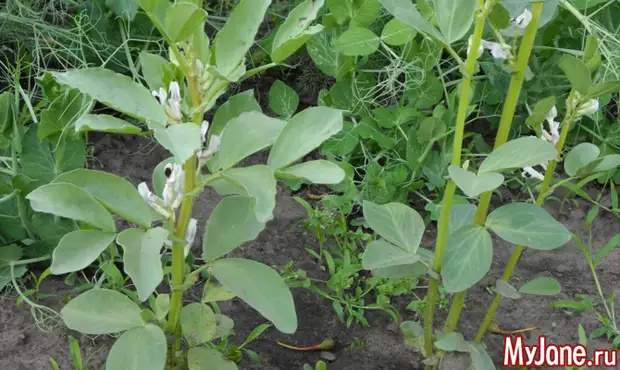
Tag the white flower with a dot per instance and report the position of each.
(589, 107)
(204, 128)
(214, 147)
(190, 235)
(524, 19)
(152, 199)
(172, 105)
(529, 172)
(173, 190)
(553, 113)
(498, 51)
(480, 47)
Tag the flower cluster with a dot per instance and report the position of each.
(172, 105)
(500, 50)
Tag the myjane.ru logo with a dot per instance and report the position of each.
(517, 353)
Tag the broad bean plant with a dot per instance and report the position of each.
(165, 333)
(464, 247)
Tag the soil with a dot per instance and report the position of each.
(24, 346)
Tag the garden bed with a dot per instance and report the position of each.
(381, 346)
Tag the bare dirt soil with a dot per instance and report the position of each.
(23, 346)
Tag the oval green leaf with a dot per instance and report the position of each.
(305, 132)
(317, 172)
(406, 12)
(182, 20)
(207, 358)
(232, 108)
(283, 100)
(257, 182)
(114, 90)
(454, 17)
(235, 39)
(541, 286)
(397, 33)
(261, 287)
(141, 258)
(105, 123)
(115, 193)
(78, 249)
(473, 185)
(198, 323)
(295, 30)
(101, 311)
(70, 201)
(468, 257)
(139, 348)
(577, 73)
(580, 156)
(232, 223)
(528, 225)
(357, 41)
(182, 140)
(244, 135)
(397, 223)
(381, 254)
(522, 152)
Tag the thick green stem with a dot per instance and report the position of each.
(470, 66)
(512, 99)
(516, 254)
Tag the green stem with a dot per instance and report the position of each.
(178, 255)
(512, 99)
(516, 254)
(433, 286)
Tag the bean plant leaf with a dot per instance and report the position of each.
(604, 88)
(139, 348)
(244, 135)
(343, 142)
(577, 73)
(114, 90)
(366, 12)
(101, 311)
(235, 39)
(473, 185)
(528, 225)
(522, 152)
(125, 9)
(499, 16)
(602, 164)
(63, 112)
(454, 17)
(541, 286)
(182, 20)
(397, 223)
(381, 254)
(327, 59)
(461, 215)
(452, 342)
(142, 259)
(153, 67)
(341, 10)
(397, 33)
(70, 201)
(261, 287)
(468, 257)
(317, 172)
(406, 12)
(207, 358)
(283, 100)
(480, 359)
(78, 249)
(506, 290)
(305, 132)
(541, 110)
(105, 123)
(232, 223)
(296, 30)
(357, 41)
(117, 194)
(233, 108)
(198, 323)
(257, 182)
(182, 140)
(580, 156)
